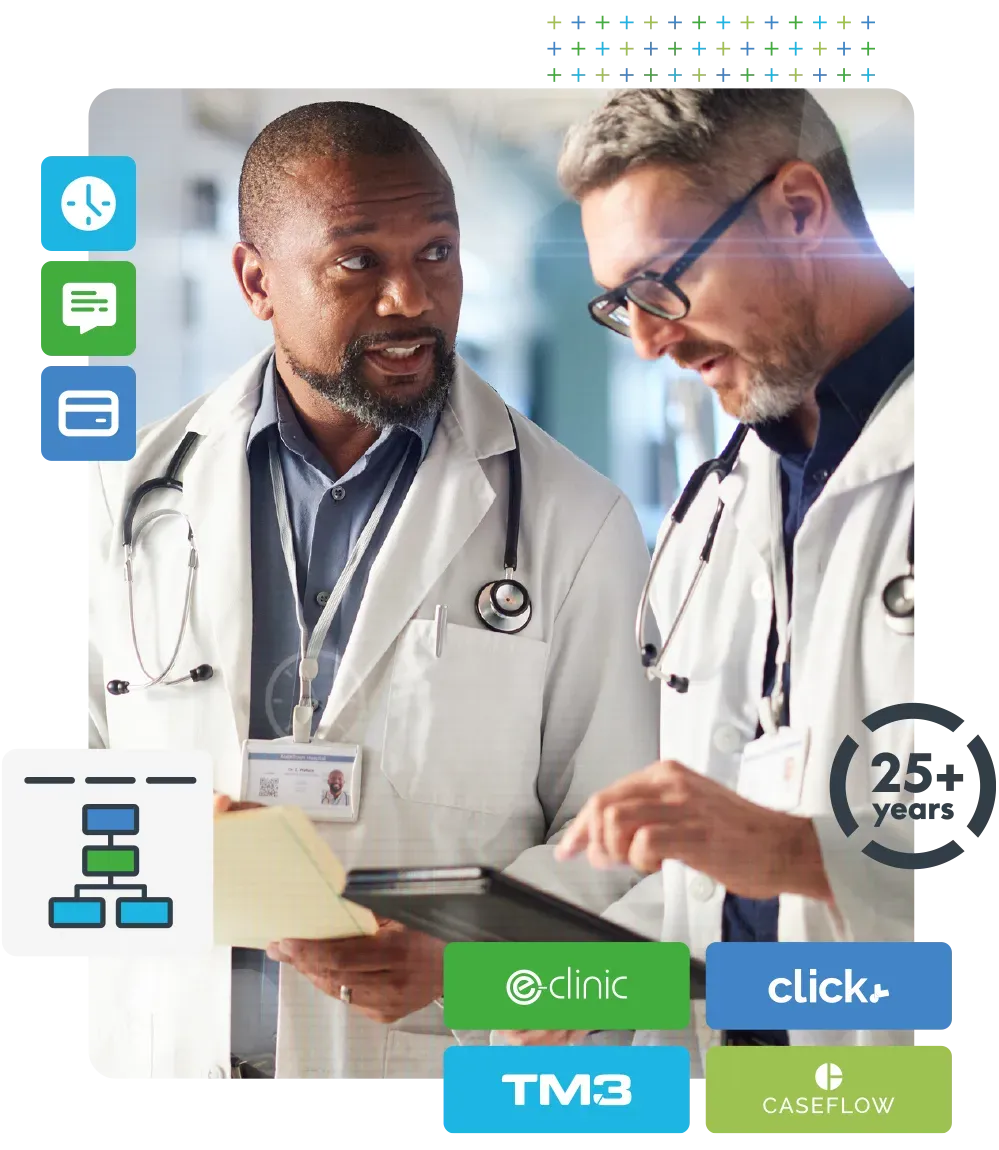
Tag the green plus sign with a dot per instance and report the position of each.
(554, 75)
(796, 22)
(770, 48)
(602, 22)
(747, 74)
(723, 49)
(820, 49)
(843, 75)
(578, 49)
(843, 23)
(948, 777)
(867, 48)
(698, 22)
(700, 75)
(674, 49)
(553, 21)
(747, 22)
(650, 74)
(796, 75)
(603, 75)
(627, 48)
(650, 22)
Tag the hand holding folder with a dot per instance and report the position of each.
(275, 878)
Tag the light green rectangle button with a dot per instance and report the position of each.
(804, 1089)
(566, 985)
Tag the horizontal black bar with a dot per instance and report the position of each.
(171, 779)
(936, 47)
(52, 779)
(108, 779)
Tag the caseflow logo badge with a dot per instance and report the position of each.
(574, 986)
(586, 1089)
(829, 985)
(890, 1089)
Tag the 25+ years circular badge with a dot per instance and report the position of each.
(898, 788)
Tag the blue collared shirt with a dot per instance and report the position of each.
(847, 397)
(327, 514)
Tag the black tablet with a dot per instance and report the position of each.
(479, 904)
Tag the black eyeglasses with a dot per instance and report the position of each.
(657, 292)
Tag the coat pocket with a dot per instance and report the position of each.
(464, 730)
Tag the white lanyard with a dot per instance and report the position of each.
(311, 645)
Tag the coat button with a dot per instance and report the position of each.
(702, 887)
(728, 740)
(761, 587)
(338, 493)
(322, 598)
(217, 1072)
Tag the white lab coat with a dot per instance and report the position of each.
(472, 758)
(845, 663)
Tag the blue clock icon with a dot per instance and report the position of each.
(88, 203)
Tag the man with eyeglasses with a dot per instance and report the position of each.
(728, 235)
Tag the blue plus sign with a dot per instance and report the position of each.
(627, 75)
(554, 48)
(674, 22)
(603, 48)
(627, 23)
(723, 23)
(867, 75)
(650, 49)
(699, 49)
(820, 22)
(820, 74)
(867, 23)
(770, 75)
(746, 48)
(675, 75)
(579, 75)
(771, 22)
(724, 75)
(795, 49)
(577, 22)
(843, 48)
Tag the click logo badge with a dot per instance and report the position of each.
(524, 987)
(780, 989)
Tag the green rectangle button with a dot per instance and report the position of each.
(803, 1089)
(566, 985)
(106, 861)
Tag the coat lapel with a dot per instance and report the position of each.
(448, 499)
(216, 499)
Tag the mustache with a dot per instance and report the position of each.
(361, 344)
(693, 350)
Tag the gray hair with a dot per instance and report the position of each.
(722, 141)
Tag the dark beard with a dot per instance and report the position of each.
(347, 390)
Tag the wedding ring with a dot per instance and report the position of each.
(345, 995)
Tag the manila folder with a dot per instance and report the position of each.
(275, 878)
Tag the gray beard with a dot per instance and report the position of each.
(349, 393)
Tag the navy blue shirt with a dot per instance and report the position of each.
(847, 397)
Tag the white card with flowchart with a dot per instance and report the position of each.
(107, 852)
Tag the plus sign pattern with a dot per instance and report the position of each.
(675, 21)
(757, 50)
(711, 75)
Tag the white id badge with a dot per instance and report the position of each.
(324, 779)
(773, 769)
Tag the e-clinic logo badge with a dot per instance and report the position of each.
(566, 1089)
(889, 1089)
(88, 413)
(88, 203)
(829, 985)
(574, 986)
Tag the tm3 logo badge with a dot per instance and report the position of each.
(615, 1089)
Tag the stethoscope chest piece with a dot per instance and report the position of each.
(899, 599)
(504, 606)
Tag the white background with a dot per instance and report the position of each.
(59, 56)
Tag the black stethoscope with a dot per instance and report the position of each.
(898, 597)
(503, 605)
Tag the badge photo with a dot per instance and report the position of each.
(324, 779)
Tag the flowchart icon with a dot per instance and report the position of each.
(111, 861)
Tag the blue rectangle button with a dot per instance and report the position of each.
(566, 1089)
(828, 986)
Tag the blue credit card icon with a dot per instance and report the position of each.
(88, 413)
